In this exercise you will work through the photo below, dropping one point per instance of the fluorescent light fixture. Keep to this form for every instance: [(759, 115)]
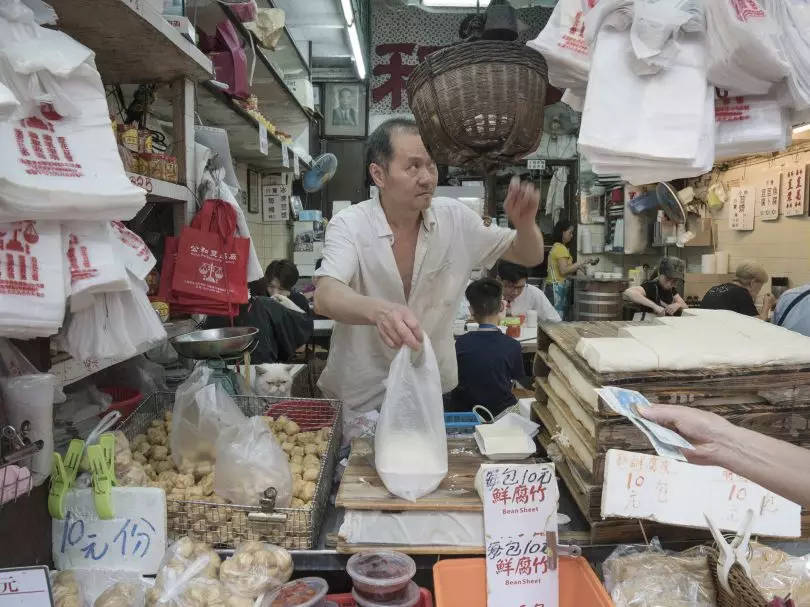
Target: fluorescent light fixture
[(801, 129), (456, 3), (354, 41), (348, 13)]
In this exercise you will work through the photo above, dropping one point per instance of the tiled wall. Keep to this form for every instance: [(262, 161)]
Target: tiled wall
[(272, 240)]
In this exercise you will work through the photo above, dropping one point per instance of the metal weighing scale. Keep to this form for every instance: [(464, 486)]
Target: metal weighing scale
[(220, 349)]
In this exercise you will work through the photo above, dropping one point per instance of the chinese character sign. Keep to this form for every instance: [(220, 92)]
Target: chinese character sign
[(794, 191), (25, 586), (133, 540), (768, 196), (741, 214), (642, 486), (520, 509)]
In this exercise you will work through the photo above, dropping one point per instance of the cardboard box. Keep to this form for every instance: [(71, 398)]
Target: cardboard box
[(696, 284), (703, 230)]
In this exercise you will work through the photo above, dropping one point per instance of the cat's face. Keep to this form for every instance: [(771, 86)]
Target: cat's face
[(273, 379)]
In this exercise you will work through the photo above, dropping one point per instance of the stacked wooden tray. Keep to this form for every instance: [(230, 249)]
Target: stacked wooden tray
[(579, 428)]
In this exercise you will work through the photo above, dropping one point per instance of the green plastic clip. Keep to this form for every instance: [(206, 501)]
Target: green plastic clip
[(63, 475), (102, 482), (107, 442)]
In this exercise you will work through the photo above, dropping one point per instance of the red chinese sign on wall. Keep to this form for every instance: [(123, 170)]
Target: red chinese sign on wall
[(396, 71)]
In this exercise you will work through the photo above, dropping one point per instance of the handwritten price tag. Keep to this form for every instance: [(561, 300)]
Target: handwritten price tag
[(644, 486), (520, 509), (133, 540), (142, 181), (25, 587)]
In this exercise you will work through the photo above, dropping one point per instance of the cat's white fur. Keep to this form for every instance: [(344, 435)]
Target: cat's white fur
[(271, 379)]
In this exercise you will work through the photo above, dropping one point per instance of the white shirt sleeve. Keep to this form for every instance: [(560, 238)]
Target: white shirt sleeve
[(340, 259), (485, 245), (545, 311)]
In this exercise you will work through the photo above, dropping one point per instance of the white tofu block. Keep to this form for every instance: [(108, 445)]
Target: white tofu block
[(609, 354)]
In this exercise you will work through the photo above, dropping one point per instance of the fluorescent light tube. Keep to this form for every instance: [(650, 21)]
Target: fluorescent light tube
[(348, 13), (801, 129), (354, 41), (456, 3)]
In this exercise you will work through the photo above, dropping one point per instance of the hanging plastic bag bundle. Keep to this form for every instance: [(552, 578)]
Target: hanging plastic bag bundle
[(92, 262), (132, 250), (750, 124), (32, 294), (743, 48), (410, 444), (562, 43), (793, 22), (63, 159)]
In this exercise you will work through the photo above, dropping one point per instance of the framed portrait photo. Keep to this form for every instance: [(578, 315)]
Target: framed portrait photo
[(345, 109)]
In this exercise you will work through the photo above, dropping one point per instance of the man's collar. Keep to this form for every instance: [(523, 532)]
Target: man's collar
[(381, 222)]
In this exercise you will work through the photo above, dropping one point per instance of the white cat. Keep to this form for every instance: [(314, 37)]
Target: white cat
[(271, 379)]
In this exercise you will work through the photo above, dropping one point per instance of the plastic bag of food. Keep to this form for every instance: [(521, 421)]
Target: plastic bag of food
[(202, 411), (120, 595), (637, 576), (778, 574), (249, 461), (255, 568), (188, 576), (410, 444), (187, 586), (13, 363), (66, 590)]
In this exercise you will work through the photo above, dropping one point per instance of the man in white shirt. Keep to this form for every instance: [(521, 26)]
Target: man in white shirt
[(395, 267), (521, 297)]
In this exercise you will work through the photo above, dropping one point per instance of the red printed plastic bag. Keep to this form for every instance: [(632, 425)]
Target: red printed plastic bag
[(211, 262), (130, 248)]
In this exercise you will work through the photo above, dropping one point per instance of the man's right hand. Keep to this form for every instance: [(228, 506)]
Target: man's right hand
[(399, 326)]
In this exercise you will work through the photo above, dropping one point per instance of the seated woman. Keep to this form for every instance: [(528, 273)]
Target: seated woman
[(281, 330), (282, 276), (739, 294), (659, 294)]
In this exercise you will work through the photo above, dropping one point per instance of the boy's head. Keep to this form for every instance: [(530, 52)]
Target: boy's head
[(514, 279), (485, 297), (281, 275)]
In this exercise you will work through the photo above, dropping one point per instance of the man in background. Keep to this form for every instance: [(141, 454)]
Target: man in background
[(488, 360), (521, 297), (793, 310), (345, 114)]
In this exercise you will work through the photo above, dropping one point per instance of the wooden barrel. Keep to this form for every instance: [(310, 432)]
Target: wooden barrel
[(598, 299)]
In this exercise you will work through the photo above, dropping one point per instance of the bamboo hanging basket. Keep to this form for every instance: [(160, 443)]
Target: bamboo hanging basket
[(479, 105)]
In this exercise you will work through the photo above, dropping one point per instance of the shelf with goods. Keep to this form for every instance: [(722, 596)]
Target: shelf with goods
[(219, 110), (276, 101), (68, 370), (132, 41)]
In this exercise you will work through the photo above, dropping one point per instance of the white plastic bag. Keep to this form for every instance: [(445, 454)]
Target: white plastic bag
[(29, 398), (411, 442), (249, 461), (92, 262), (562, 43), (202, 411), (132, 250), (750, 124)]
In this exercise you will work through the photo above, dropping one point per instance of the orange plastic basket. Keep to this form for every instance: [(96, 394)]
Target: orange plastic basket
[(463, 583)]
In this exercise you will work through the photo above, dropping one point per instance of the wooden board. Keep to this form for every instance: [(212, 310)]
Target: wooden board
[(362, 489), (708, 380), (133, 43)]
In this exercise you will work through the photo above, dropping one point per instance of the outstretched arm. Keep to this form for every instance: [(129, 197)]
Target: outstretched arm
[(776, 465)]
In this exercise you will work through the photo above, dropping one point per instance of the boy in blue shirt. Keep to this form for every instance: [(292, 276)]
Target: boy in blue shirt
[(488, 360)]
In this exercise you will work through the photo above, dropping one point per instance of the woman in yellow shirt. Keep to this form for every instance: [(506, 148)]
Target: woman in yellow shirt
[(560, 266)]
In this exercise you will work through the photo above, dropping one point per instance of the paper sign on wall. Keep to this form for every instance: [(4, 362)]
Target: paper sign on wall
[(741, 213), (263, 147), (25, 587), (296, 166), (520, 509), (133, 540), (768, 196), (660, 489), (285, 156), (794, 189)]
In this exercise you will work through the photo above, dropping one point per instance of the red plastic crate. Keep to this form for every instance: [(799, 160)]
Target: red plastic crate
[(347, 600)]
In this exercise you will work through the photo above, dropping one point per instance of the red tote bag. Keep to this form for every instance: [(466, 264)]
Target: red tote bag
[(211, 262), (183, 304)]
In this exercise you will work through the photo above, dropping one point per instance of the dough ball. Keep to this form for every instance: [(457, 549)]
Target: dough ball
[(297, 450), (311, 473), (291, 428)]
